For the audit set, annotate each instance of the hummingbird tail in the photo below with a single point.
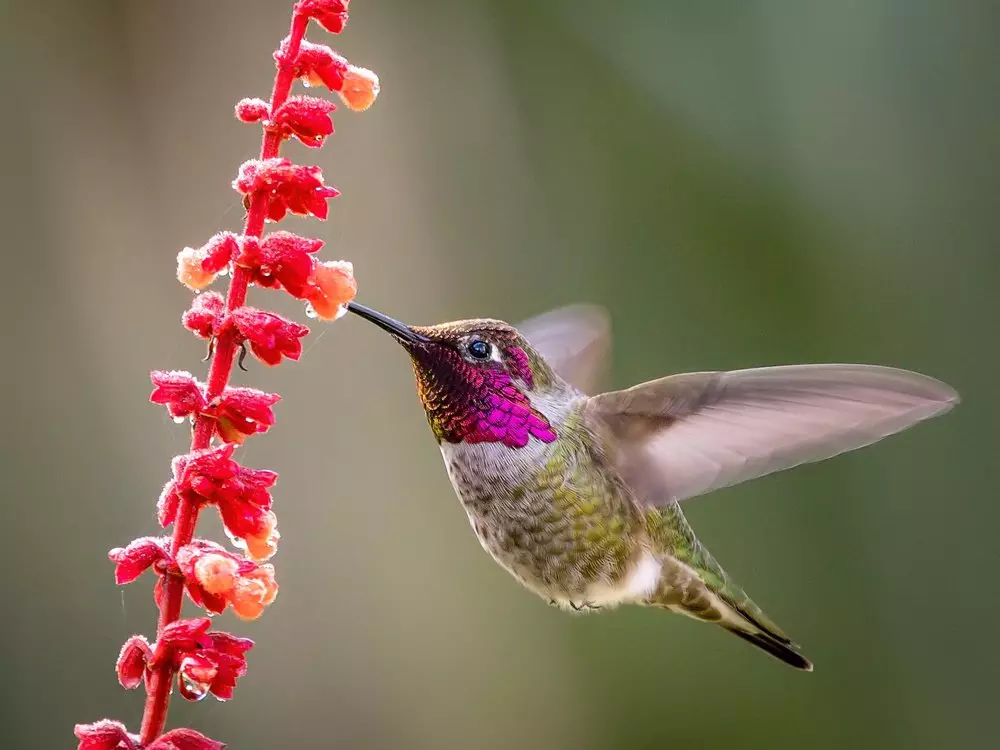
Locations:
(782, 649)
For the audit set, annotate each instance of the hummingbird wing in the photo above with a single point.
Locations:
(575, 341)
(685, 435)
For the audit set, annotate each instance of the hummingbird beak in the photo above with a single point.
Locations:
(403, 333)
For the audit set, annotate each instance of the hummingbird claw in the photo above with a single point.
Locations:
(211, 349)
(243, 356)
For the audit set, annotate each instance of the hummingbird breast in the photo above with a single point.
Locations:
(553, 514)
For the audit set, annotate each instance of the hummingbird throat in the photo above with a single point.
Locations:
(474, 404)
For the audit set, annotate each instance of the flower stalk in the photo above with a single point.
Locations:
(200, 660)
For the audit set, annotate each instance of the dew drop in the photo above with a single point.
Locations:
(179, 420)
(191, 688)
(310, 311)
(224, 271)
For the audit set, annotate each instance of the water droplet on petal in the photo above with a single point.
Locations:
(191, 688)
(224, 271)
(179, 420)
(310, 310)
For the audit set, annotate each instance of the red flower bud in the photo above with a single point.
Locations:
(241, 412)
(251, 110)
(205, 315)
(330, 14)
(105, 735)
(271, 336)
(315, 64)
(184, 739)
(140, 554)
(132, 661)
(305, 117)
(178, 391)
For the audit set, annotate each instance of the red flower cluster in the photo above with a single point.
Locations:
(112, 735)
(213, 577)
(206, 661)
(235, 414)
(242, 495)
(186, 653)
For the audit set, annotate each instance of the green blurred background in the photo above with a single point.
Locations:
(740, 183)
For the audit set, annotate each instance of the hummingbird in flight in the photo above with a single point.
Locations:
(578, 495)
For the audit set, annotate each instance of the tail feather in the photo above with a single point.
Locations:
(785, 651)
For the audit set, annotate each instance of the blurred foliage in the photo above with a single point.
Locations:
(740, 183)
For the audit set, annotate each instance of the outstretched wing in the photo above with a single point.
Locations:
(574, 340)
(689, 434)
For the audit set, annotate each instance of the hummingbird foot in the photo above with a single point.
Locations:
(584, 606)
(211, 349)
(243, 356)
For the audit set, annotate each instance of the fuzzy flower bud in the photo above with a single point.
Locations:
(332, 286)
(360, 88)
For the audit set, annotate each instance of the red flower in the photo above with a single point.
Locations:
(287, 186)
(331, 14)
(315, 64)
(271, 336)
(206, 661)
(178, 391)
(132, 661)
(305, 117)
(105, 735)
(184, 739)
(242, 494)
(241, 412)
(281, 259)
(140, 554)
(197, 267)
(205, 315)
(332, 286)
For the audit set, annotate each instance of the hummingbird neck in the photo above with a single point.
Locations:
(465, 404)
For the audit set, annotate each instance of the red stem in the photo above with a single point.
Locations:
(154, 716)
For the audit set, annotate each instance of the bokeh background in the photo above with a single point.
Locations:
(739, 183)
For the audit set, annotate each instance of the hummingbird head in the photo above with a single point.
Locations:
(479, 380)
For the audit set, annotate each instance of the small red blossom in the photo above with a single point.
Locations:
(332, 286)
(198, 267)
(241, 494)
(184, 739)
(315, 64)
(330, 14)
(251, 110)
(305, 117)
(179, 391)
(206, 661)
(281, 259)
(140, 555)
(205, 315)
(359, 89)
(241, 412)
(287, 187)
(131, 665)
(270, 335)
(105, 735)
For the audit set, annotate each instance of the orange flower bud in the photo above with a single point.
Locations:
(359, 89)
(253, 592)
(332, 286)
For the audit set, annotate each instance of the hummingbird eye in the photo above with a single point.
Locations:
(479, 349)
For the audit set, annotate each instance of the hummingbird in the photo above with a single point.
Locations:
(578, 495)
